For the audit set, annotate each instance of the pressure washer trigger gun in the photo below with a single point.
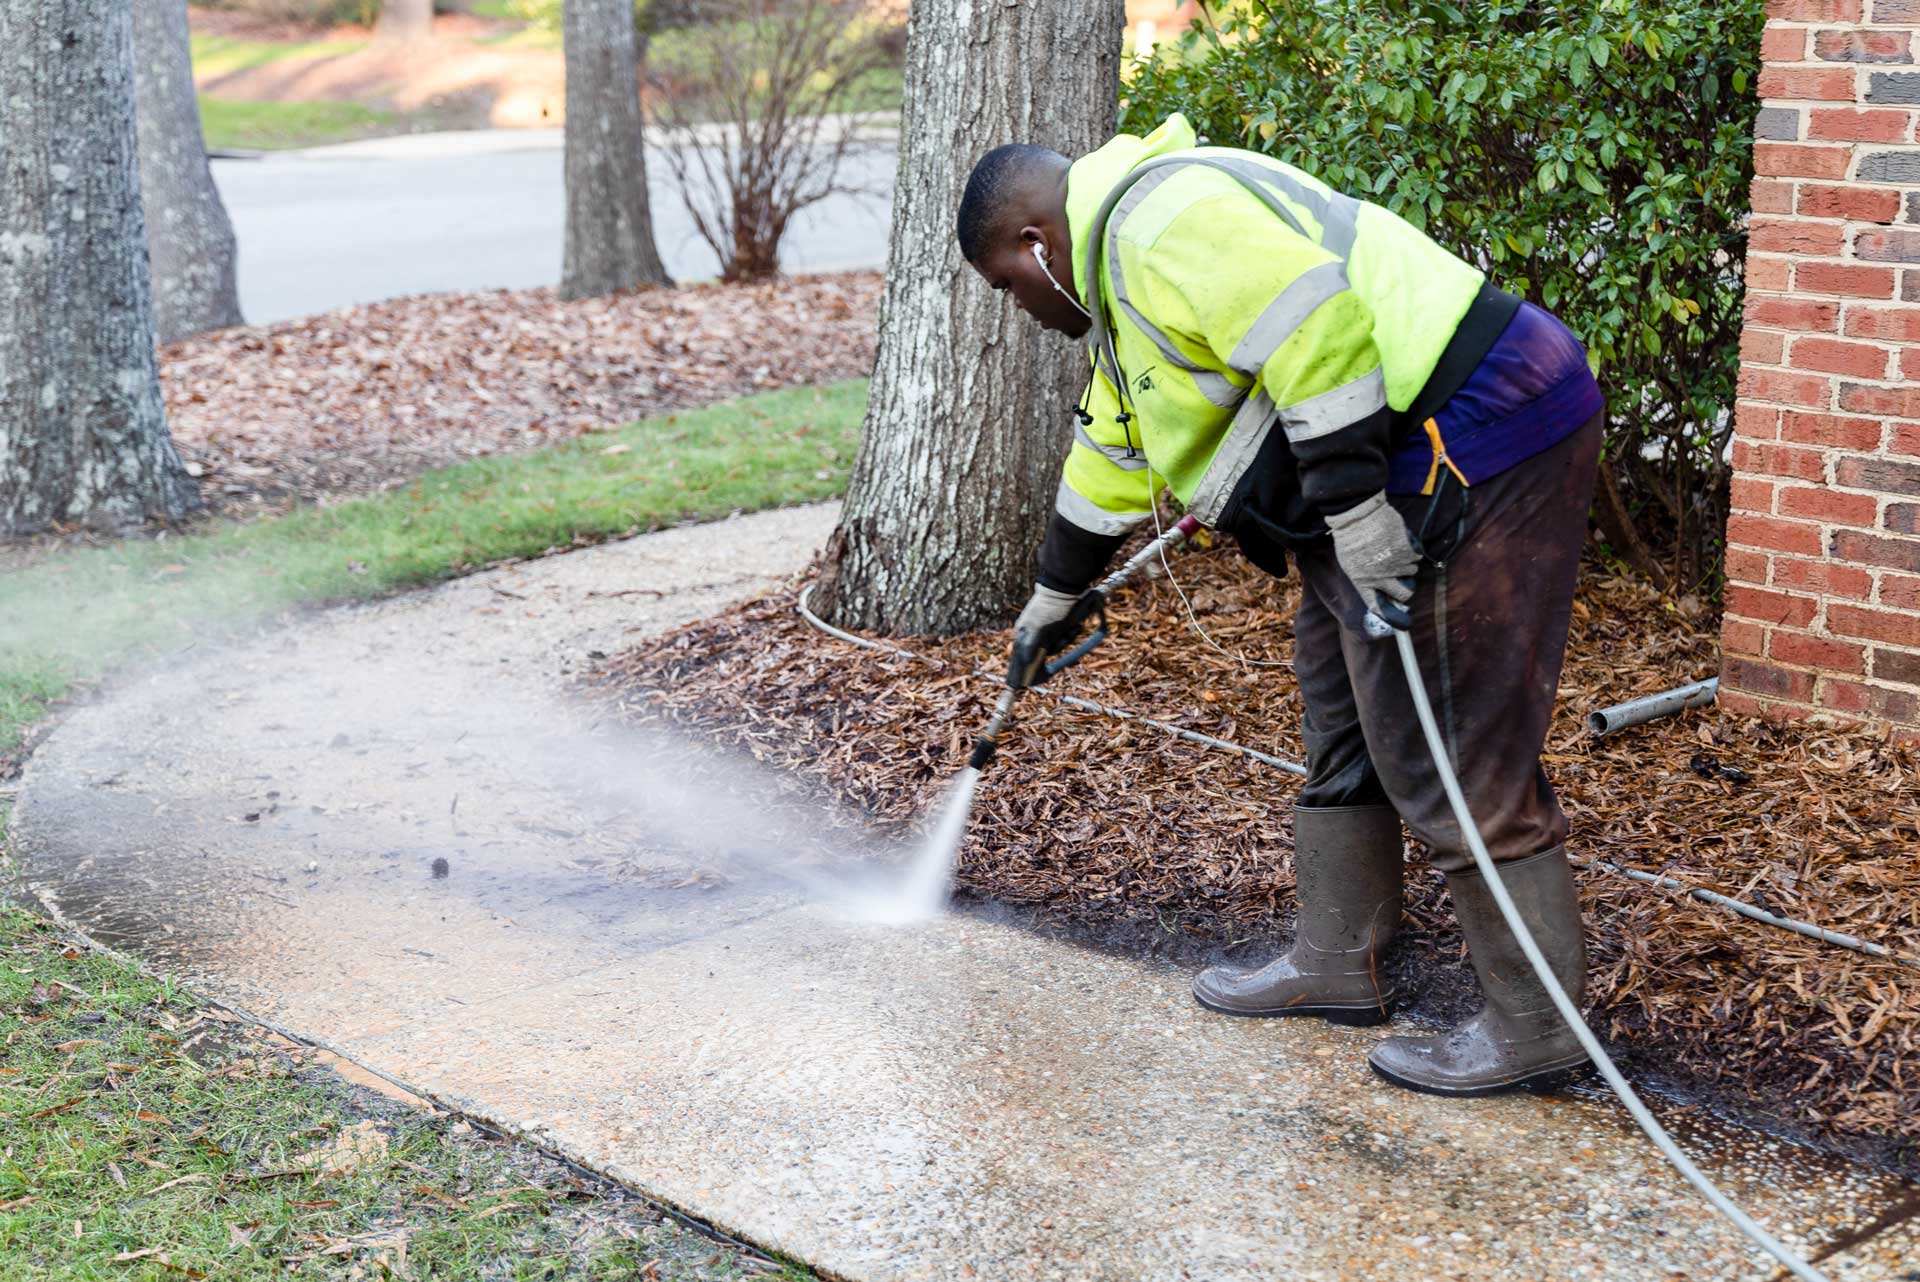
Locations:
(1091, 605)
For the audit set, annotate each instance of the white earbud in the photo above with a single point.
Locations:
(1040, 256)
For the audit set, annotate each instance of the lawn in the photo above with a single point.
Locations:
(215, 56)
(73, 614)
(146, 1136)
(231, 125)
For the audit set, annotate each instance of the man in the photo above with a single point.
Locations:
(1316, 377)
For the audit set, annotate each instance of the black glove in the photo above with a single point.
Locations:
(1043, 629)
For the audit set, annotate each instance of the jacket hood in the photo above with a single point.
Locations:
(1093, 175)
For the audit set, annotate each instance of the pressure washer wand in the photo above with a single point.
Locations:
(1091, 605)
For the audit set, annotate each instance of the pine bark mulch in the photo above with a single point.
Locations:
(364, 398)
(1120, 831)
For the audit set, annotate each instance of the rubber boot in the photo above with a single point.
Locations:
(1518, 1040)
(1347, 867)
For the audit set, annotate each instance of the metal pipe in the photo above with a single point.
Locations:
(1639, 711)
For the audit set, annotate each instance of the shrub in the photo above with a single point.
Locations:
(1593, 155)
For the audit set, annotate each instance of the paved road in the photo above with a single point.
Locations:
(357, 223)
(601, 959)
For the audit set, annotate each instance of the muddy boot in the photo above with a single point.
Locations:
(1518, 1041)
(1347, 865)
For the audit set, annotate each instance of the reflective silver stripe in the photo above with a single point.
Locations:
(1241, 445)
(1340, 225)
(1090, 516)
(1285, 314)
(1118, 455)
(1344, 406)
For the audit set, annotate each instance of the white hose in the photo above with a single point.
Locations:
(1588, 1042)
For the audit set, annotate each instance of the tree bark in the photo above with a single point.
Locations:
(609, 240)
(400, 21)
(83, 431)
(969, 415)
(189, 236)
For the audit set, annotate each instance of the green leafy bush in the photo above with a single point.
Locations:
(1594, 155)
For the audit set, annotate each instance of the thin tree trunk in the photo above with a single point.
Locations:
(400, 21)
(609, 243)
(83, 431)
(189, 236)
(969, 414)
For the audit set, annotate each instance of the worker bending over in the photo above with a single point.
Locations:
(1314, 376)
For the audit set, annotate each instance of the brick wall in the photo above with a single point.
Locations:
(1823, 545)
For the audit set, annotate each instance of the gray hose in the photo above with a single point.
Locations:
(1639, 711)
(1588, 1042)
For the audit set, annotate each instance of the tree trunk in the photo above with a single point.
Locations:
(189, 237)
(969, 416)
(400, 21)
(83, 431)
(609, 242)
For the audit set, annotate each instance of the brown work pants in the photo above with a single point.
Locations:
(1490, 619)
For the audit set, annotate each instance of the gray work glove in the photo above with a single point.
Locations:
(1372, 545)
(1040, 632)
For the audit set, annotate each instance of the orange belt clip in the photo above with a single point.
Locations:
(1440, 459)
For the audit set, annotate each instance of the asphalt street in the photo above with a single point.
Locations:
(361, 222)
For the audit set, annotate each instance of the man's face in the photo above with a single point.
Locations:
(1012, 266)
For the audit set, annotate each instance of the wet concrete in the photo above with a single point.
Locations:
(630, 980)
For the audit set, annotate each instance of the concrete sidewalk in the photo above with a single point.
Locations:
(959, 1101)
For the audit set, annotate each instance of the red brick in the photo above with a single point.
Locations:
(1887, 245)
(1778, 608)
(1763, 346)
(1901, 324)
(1910, 364)
(1835, 507)
(1898, 628)
(1863, 46)
(1755, 422)
(1895, 12)
(1768, 532)
(1844, 278)
(1894, 402)
(1901, 666)
(1778, 311)
(1796, 236)
(1809, 390)
(1744, 565)
(1882, 476)
(1805, 651)
(1862, 204)
(1741, 704)
(1830, 430)
(1903, 518)
(1751, 495)
(1737, 636)
(1909, 285)
(1906, 440)
(1824, 84)
(1770, 271)
(1827, 578)
(1815, 10)
(1867, 701)
(1765, 679)
(1844, 124)
(1832, 356)
(1783, 44)
(1800, 160)
(1900, 591)
(1779, 460)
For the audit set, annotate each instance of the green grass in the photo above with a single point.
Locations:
(146, 1138)
(274, 126)
(215, 56)
(72, 614)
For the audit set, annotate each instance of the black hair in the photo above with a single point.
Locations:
(987, 207)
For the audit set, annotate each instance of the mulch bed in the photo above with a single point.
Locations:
(364, 398)
(1123, 833)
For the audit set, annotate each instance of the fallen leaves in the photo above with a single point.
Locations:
(363, 1145)
(363, 398)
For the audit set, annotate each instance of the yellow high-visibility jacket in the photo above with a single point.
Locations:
(1238, 296)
